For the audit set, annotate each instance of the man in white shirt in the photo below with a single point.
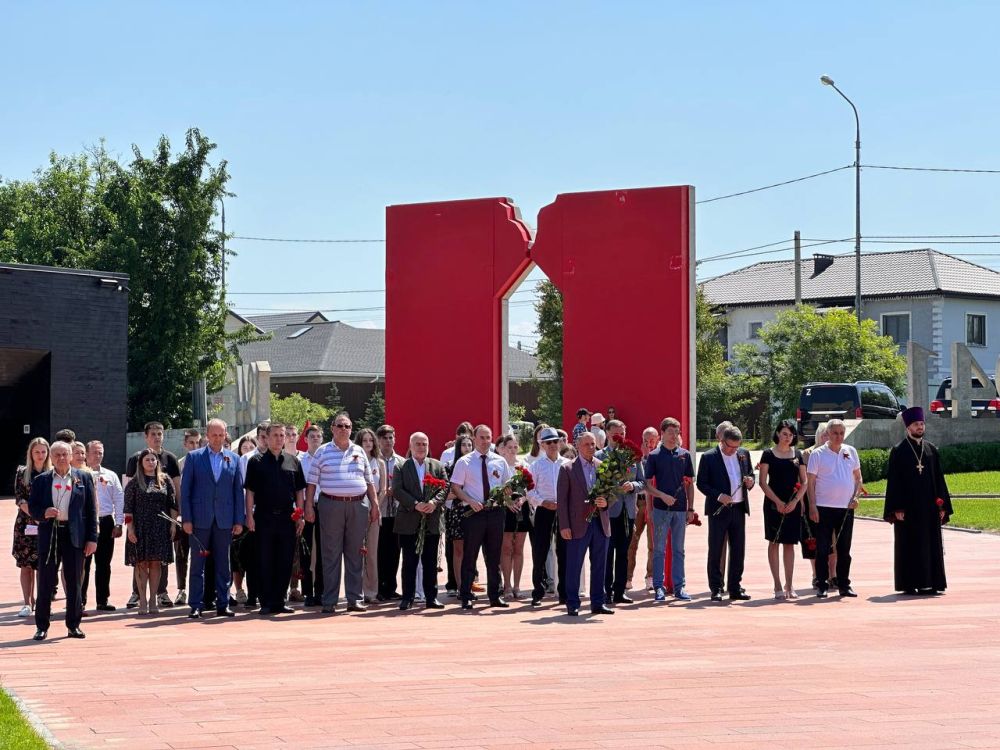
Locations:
(543, 500)
(834, 472)
(110, 516)
(311, 555)
(474, 476)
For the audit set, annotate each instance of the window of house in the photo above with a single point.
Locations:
(975, 329)
(755, 327)
(897, 326)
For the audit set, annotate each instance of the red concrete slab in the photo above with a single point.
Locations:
(877, 671)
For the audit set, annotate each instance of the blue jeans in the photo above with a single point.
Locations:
(674, 522)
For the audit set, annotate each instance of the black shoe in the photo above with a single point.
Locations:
(501, 602)
(405, 604)
(623, 599)
(815, 583)
(356, 607)
(283, 610)
(573, 611)
(740, 596)
(433, 604)
(848, 592)
(394, 595)
(716, 596)
(40, 635)
(604, 609)
(232, 601)
(84, 613)
(467, 605)
(106, 608)
(909, 592)
(821, 593)
(225, 612)
(75, 633)
(927, 592)
(194, 614)
(536, 602)
(833, 583)
(381, 598)
(312, 601)
(330, 609)
(265, 611)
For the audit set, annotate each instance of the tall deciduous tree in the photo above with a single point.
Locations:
(803, 345)
(549, 308)
(151, 218)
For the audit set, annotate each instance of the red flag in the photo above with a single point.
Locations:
(301, 444)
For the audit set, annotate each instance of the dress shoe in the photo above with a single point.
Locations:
(849, 592)
(909, 592)
(106, 608)
(604, 609)
(265, 611)
(395, 595)
(536, 602)
(739, 596)
(623, 599)
(716, 596)
(40, 635)
(75, 633)
(225, 612)
(84, 613)
(330, 609)
(433, 604)
(467, 605)
(356, 607)
(381, 598)
(573, 612)
(821, 593)
(283, 610)
(194, 614)
(312, 601)
(478, 587)
(133, 602)
(405, 604)
(501, 602)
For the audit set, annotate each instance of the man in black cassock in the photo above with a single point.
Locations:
(917, 504)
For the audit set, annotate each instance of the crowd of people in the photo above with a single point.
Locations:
(284, 518)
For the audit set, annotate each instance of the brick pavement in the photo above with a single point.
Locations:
(878, 671)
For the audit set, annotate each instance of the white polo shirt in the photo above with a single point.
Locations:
(834, 472)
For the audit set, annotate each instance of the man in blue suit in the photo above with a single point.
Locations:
(213, 511)
(65, 501)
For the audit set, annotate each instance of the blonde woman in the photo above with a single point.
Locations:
(25, 549)
(148, 497)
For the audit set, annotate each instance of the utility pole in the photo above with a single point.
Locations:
(798, 268)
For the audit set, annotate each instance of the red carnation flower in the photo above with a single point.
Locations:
(940, 502)
(811, 544)
(298, 514)
(798, 486)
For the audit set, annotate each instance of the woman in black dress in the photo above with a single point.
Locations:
(149, 543)
(453, 522)
(783, 479)
(25, 549)
(516, 526)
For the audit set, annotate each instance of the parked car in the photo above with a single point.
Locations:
(866, 399)
(985, 400)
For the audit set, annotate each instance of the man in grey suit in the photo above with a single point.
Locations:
(583, 536)
(621, 514)
(388, 544)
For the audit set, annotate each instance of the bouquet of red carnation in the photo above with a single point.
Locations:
(519, 484)
(435, 493)
(619, 458)
(298, 514)
(695, 520)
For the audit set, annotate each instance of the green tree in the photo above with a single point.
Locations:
(549, 354)
(803, 345)
(296, 409)
(515, 412)
(151, 218)
(333, 399)
(374, 416)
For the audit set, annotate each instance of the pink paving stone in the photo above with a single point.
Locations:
(878, 671)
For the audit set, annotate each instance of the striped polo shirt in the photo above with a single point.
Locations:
(341, 473)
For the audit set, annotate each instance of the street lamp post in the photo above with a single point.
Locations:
(827, 81)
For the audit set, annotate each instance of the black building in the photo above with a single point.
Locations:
(63, 346)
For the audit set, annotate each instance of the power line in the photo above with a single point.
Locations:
(351, 291)
(775, 185)
(930, 169)
(241, 309)
(747, 254)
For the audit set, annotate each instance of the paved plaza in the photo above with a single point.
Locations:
(876, 671)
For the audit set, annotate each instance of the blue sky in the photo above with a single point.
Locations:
(327, 112)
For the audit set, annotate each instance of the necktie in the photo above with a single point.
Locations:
(486, 480)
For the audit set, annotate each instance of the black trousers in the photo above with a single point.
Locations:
(617, 567)
(105, 552)
(830, 520)
(250, 562)
(71, 560)
(312, 585)
(429, 555)
(388, 558)
(482, 530)
(731, 521)
(275, 551)
(449, 561)
(541, 543)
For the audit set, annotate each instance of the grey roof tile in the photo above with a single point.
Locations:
(272, 321)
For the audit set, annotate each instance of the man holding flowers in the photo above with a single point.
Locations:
(621, 514)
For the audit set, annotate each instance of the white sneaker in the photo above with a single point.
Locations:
(25, 611)
(182, 598)
(241, 596)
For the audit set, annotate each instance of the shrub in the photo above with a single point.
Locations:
(955, 459)
(874, 464)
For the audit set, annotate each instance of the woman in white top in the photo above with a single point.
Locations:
(369, 578)
(596, 429)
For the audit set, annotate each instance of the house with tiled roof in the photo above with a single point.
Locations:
(922, 295)
(307, 353)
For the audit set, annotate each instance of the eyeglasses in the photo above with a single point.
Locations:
(342, 426)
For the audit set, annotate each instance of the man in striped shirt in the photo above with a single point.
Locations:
(347, 505)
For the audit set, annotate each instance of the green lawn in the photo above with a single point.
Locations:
(15, 732)
(971, 513)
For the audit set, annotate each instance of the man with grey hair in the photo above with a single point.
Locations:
(725, 477)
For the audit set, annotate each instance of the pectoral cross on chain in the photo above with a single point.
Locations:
(920, 468)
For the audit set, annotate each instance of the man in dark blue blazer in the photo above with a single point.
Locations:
(64, 499)
(213, 511)
(725, 478)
